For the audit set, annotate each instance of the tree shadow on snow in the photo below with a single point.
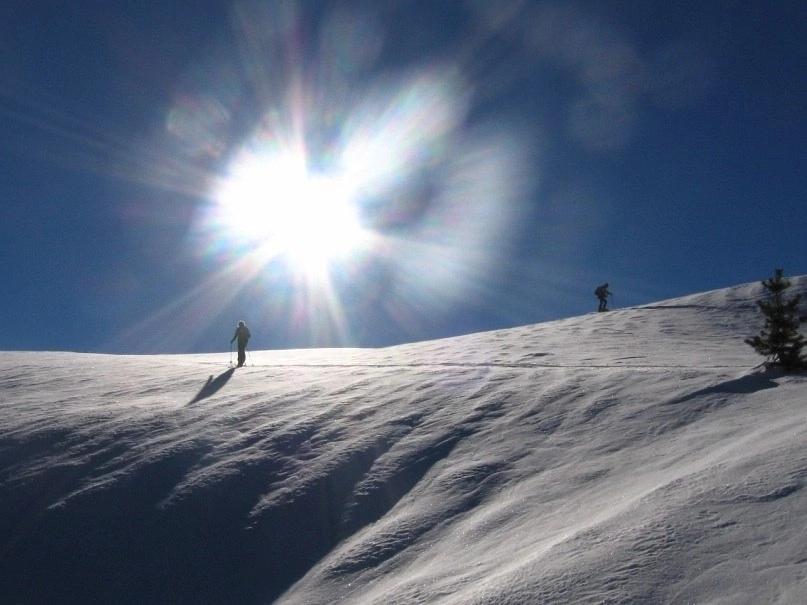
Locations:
(213, 385)
(689, 408)
(745, 385)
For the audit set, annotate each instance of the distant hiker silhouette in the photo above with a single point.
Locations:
(602, 293)
(242, 334)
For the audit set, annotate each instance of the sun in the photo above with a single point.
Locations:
(274, 202)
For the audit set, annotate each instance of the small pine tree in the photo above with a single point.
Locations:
(779, 339)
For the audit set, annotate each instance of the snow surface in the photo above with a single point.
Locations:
(635, 456)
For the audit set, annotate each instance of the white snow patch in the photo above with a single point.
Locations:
(634, 456)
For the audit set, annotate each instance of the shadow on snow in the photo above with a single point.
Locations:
(745, 385)
(213, 385)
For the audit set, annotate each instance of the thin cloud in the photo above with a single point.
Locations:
(614, 78)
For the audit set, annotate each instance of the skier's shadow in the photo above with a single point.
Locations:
(213, 385)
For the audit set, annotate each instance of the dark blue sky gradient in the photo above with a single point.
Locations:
(695, 179)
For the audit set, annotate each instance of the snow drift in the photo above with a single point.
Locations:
(640, 455)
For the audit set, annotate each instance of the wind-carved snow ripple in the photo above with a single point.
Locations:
(464, 488)
(363, 482)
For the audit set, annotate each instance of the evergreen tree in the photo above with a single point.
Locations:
(779, 339)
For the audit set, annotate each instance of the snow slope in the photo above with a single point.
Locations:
(636, 456)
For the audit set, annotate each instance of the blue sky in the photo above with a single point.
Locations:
(502, 158)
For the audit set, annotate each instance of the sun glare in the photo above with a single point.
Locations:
(278, 205)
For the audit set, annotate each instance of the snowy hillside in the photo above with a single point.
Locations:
(636, 456)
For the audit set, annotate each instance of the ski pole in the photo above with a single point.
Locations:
(231, 353)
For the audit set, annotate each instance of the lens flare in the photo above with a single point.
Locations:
(275, 203)
(347, 197)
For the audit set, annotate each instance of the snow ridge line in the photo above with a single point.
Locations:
(485, 365)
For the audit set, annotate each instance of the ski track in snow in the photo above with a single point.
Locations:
(634, 456)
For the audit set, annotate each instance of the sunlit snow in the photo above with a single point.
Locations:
(635, 456)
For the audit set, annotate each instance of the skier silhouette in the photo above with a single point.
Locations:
(242, 334)
(602, 293)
